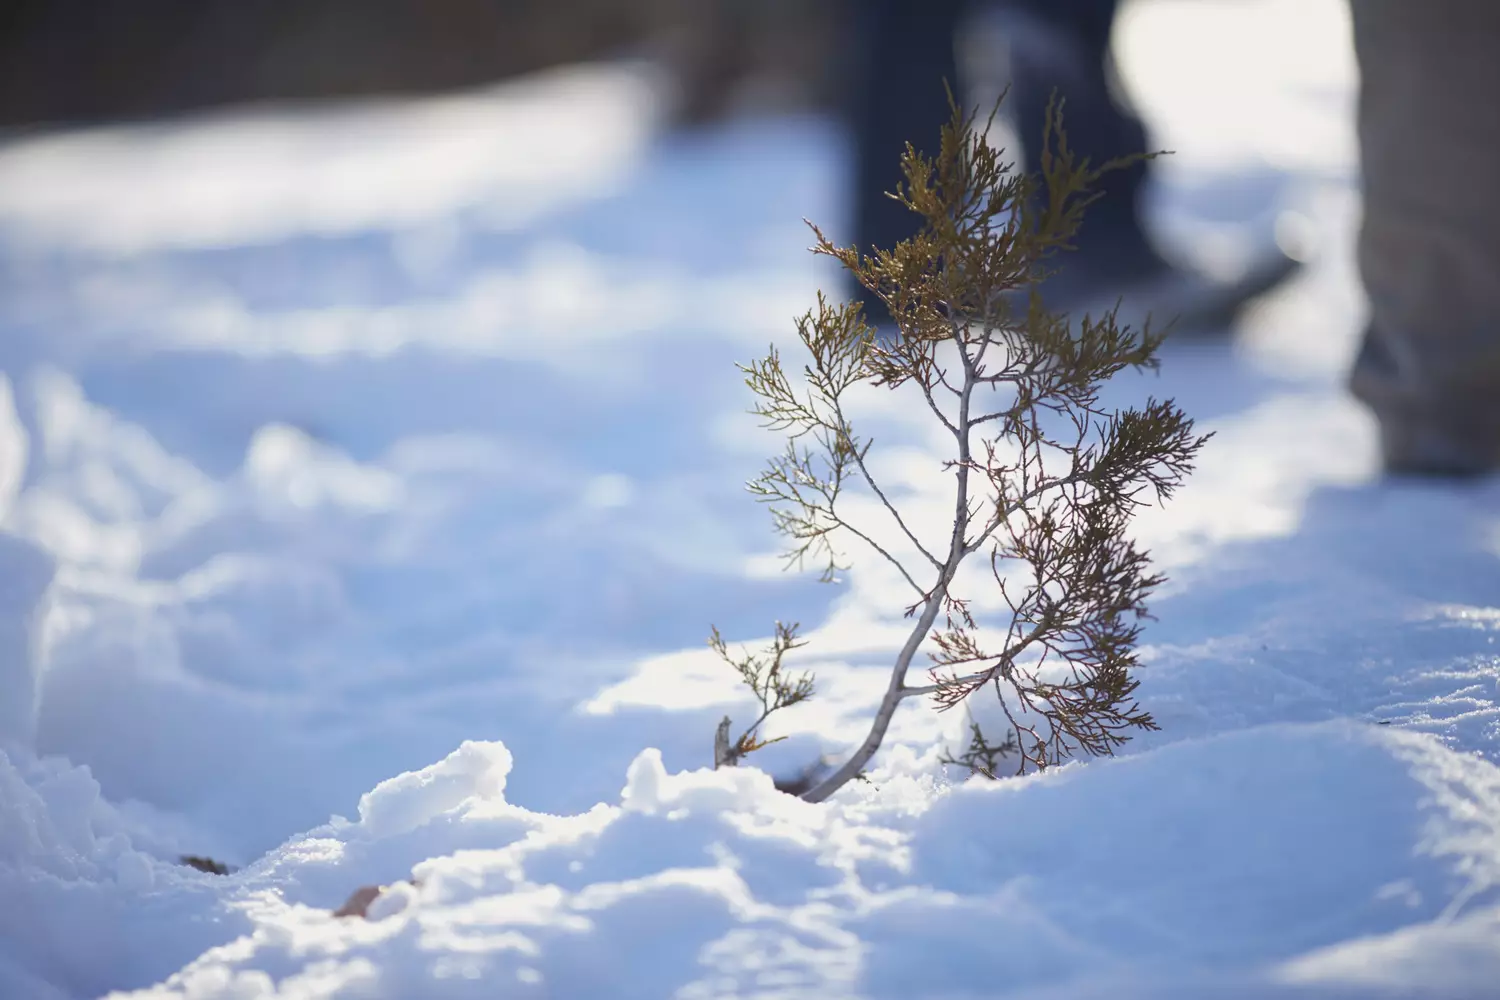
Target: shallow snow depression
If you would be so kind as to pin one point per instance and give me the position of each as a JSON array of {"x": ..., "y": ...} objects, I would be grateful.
[{"x": 327, "y": 493}]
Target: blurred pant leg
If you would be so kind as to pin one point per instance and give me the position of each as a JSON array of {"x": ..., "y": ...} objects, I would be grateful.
[
  {"x": 905, "y": 50},
  {"x": 1429, "y": 247},
  {"x": 904, "y": 53},
  {"x": 1078, "y": 67}
]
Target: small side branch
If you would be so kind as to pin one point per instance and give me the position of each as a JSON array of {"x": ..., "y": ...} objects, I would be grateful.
[{"x": 773, "y": 689}]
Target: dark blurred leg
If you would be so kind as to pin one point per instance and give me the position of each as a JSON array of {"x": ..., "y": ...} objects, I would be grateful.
[
  {"x": 896, "y": 96},
  {"x": 1111, "y": 241},
  {"x": 1429, "y": 247}
]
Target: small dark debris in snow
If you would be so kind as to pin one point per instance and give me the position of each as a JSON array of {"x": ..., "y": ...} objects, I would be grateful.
[
  {"x": 203, "y": 864},
  {"x": 803, "y": 782},
  {"x": 799, "y": 786},
  {"x": 358, "y": 903}
]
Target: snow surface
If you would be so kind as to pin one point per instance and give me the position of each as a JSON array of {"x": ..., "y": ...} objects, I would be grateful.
[{"x": 383, "y": 462}]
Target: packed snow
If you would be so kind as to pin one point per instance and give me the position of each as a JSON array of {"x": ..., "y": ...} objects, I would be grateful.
[{"x": 369, "y": 481}]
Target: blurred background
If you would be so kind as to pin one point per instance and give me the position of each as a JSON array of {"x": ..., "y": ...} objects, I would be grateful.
[
  {"x": 367, "y": 368},
  {"x": 368, "y": 384},
  {"x": 74, "y": 61}
]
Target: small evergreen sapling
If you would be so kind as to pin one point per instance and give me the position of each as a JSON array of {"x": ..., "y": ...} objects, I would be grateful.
[{"x": 1044, "y": 477}]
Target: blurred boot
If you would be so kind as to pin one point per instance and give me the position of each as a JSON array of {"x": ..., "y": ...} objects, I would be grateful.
[
  {"x": 905, "y": 52},
  {"x": 1063, "y": 47},
  {"x": 1429, "y": 246}
]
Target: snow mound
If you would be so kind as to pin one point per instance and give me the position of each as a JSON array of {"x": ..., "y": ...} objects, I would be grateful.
[
  {"x": 84, "y": 907},
  {"x": 1297, "y": 860},
  {"x": 404, "y": 803}
]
